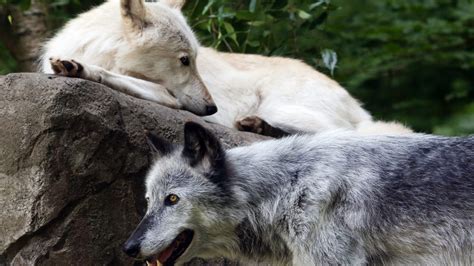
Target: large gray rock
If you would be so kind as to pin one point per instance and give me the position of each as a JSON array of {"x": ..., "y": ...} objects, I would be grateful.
[{"x": 72, "y": 160}]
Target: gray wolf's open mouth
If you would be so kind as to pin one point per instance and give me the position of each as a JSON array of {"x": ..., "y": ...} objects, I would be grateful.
[{"x": 171, "y": 254}]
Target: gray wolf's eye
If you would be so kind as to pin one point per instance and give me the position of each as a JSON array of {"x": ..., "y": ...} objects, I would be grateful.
[
  {"x": 185, "y": 60},
  {"x": 171, "y": 199}
]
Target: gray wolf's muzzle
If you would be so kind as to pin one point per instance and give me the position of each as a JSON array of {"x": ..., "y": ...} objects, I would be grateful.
[
  {"x": 166, "y": 255},
  {"x": 133, "y": 245}
]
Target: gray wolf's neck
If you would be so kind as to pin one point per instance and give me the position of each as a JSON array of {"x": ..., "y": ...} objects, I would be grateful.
[
  {"x": 261, "y": 176},
  {"x": 264, "y": 184}
]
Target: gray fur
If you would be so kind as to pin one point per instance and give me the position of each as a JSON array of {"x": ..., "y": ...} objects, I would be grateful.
[{"x": 333, "y": 198}]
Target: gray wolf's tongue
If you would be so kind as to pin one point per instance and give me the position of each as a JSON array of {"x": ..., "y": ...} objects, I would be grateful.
[
  {"x": 154, "y": 263},
  {"x": 166, "y": 254}
]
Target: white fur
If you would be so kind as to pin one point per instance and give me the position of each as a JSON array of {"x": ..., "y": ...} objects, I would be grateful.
[{"x": 285, "y": 93}]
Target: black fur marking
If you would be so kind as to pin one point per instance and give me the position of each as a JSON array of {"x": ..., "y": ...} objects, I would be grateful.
[
  {"x": 68, "y": 65},
  {"x": 200, "y": 144},
  {"x": 427, "y": 186},
  {"x": 302, "y": 199},
  {"x": 338, "y": 197},
  {"x": 218, "y": 175},
  {"x": 80, "y": 68},
  {"x": 253, "y": 246},
  {"x": 274, "y": 132},
  {"x": 379, "y": 259},
  {"x": 294, "y": 178}
]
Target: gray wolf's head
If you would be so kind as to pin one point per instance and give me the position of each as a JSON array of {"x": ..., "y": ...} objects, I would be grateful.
[
  {"x": 186, "y": 193},
  {"x": 163, "y": 49}
]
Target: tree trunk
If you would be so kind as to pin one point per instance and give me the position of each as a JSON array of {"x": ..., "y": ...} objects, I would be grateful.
[{"x": 25, "y": 35}]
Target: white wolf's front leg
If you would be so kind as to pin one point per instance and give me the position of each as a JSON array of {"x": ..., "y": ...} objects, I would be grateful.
[{"x": 132, "y": 86}]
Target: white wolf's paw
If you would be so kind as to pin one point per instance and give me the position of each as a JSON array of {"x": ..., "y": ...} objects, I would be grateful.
[
  {"x": 251, "y": 124},
  {"x": 67, "y": 68},
  {"x": 257, "y": 125}
]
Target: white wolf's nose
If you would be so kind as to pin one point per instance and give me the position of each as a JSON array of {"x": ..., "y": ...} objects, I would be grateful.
[{"x": 211, "y": 109}]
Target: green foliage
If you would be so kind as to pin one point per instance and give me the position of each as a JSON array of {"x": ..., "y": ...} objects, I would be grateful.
[
  {"x": 7, "y": 63},
  {"x": 461, "y": 122},
  {"x": 270, "y": 27},
  {"x": 409, "y": 60},
  {"x": 23, "y": 4},
  {"x": 59, "y": 10}
]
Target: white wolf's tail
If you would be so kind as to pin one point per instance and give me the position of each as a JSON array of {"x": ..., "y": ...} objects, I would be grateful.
[{"x": 382, "y": 128}]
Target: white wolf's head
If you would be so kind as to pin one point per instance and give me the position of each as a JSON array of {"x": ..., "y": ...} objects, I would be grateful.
[
  {"x": 163, "y": 49},
  {"x": 186, "y": 190}
]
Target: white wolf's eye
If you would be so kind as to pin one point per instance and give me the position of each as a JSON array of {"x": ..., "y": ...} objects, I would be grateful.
[
  {"x": 147, "y": 199},
  {"x": 185, "y": 60},
  {"x": 172, "y": 199}
]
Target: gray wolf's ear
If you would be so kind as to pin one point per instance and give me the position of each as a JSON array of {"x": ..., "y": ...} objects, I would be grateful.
[
  {"x": 133, "y": 13},
  {"x": 202, "y": 148},
  {"x": 178, "y": 4},
  {"x": 159, "y": 146}
]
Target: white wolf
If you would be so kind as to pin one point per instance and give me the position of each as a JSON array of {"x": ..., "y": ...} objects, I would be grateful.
[
  {"x": 325, "y": 199},
  {"x": 149, "y": 51}
]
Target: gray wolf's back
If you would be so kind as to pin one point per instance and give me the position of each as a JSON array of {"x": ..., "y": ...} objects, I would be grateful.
[
  {"x": 437, "y": 172},
  {"x": 401, "y": 199},
  {"x": 422, "y": 199}
]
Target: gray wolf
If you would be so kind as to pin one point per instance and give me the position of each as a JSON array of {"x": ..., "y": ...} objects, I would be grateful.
[
  {"x": 149, "y": 51},
  {"x": 328, "y": 199}
]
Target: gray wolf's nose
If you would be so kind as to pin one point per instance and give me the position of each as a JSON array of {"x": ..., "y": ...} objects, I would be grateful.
[{"x": 131, "y": 248}]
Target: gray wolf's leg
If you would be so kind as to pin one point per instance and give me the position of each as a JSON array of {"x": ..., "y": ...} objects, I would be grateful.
[{"x": 132, "y": 86}]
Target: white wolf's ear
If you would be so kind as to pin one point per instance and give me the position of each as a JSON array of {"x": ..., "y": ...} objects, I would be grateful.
[
  {"x": 159, "y": 146},
  {"x": 174, "y": 3},
  {"x": 202, "y": 148},
  {"x": 134, "y": 12}
]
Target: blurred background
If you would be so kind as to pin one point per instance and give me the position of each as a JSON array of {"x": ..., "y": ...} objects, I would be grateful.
[{"x": 406, "y": 60}]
